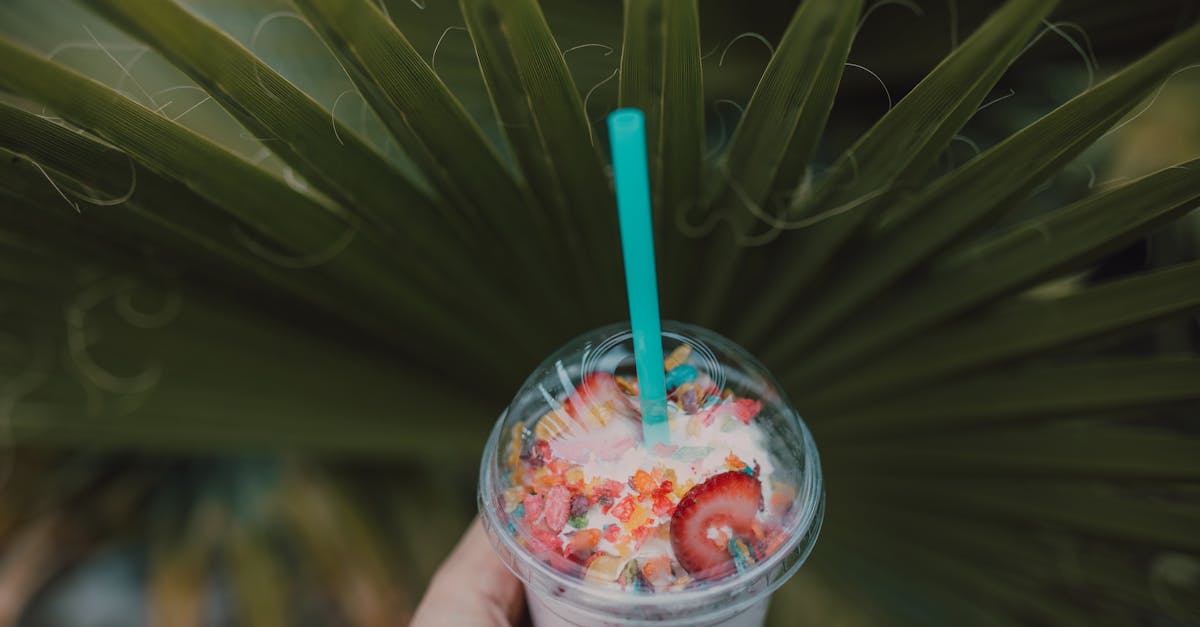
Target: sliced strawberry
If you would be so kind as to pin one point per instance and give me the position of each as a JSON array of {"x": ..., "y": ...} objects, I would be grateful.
[{"x": 728, "y": 500}]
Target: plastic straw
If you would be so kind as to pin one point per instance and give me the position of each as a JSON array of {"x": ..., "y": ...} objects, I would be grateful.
[{"x": 627, "y": 134}]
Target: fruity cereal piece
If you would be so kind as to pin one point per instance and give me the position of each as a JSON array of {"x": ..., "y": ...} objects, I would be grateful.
[
  {"x": 579, "y": 505},
  {"x": 628, "y": 386},
  {"x": 574, "y": 477},
  {"x": 581, "y": 544},
  {"x": 728, "y": 500},
  {"x": 514, "y": 447},
  {"x": 513, "y": 497},
  {"x": 733, "y": 462},
  {"x": 623, "y": 509},
  {"x": 782, "y": 498},
  {"x": 677, "y": 358},
  {"x": 640, "y": 515},
  {"x": 683, "y": 488},
  {"x": 642, "y": 482},
  {"x": 745, "y": 409},
  {"x": 657, "y": 570},
  {"x": 632, "y": 577},
  {"x": 641, "y": 533},
  {"x": 542, "y": 540},
  {"x": 689, "y": 397},
  {"x": 558, "y": 504},
  {"x": 603, "y": 568},
  {"x": 552, "y": 425},
  {"x": 612, "y": 532},
  {"x": 663, "y": 505},
  {"x": 533, "y": 506}
]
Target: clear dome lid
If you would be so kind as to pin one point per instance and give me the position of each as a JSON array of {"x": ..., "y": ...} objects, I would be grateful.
[{"x": 572, "y": 498}]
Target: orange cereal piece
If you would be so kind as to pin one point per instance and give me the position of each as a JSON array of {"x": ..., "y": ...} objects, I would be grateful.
[
  {"x": 545, "y": 479},
  {"x": 642, "y": 482},
  {"x": 782, "y": 498},
  {"x": 574, "y": 477},
  {"x": 734, "y": 462},
  {"x": 657, "y": 570}
]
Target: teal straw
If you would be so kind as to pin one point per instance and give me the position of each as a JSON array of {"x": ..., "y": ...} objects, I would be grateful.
[{"x": 627, "y": 135}]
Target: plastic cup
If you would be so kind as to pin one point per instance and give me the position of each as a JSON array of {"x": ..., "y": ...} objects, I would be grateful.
[{"x": 563, "y": 404}]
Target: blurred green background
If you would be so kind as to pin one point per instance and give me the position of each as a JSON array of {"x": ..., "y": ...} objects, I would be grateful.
[{"x": 188, "y": 446}]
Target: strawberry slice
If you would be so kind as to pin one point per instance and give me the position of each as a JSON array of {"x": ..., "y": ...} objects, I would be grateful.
[{"x": 725, "y": 503}]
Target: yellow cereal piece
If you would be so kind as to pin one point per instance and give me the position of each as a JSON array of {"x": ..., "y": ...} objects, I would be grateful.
[
  {"x": 623, "y": 547},
  {"x": 513, "y": 497},
  {"x": 514, "y": 445},
  {"x": 669, "y": 475},
  {"x": 551, "y": 426},
  {"x": 604, "y": 568},
  {"x": 627, "y": 386},
  {"x": 683, "y": 488},
  {"x": 640, "y": 515},
  {"x": 574, "y": 475},
  {"x": 678, "y": 357}
]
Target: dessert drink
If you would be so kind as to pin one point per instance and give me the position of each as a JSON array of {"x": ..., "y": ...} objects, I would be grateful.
[{"x": 604, "y": 530}]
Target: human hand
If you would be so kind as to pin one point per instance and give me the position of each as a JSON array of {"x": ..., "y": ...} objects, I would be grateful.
[{"x": 472, "y": 587}]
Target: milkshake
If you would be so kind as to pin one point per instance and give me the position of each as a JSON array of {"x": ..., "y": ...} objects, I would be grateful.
[{"x": 604, "y": 530}]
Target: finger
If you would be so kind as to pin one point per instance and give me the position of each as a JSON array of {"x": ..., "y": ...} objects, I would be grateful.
[{"x": 472, "y": 587}]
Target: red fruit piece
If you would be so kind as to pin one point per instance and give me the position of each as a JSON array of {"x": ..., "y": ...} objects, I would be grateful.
[
  {"x": 624, "y": 509},
  {"x": 558, "y": 505},
  {"x": 612, "y": 532},
  {"x": 533, "y": 506},
  {"x": 730, "y": 499}
]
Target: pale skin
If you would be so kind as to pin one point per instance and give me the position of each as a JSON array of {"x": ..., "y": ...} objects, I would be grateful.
[{"x": 472, "y": 587}]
